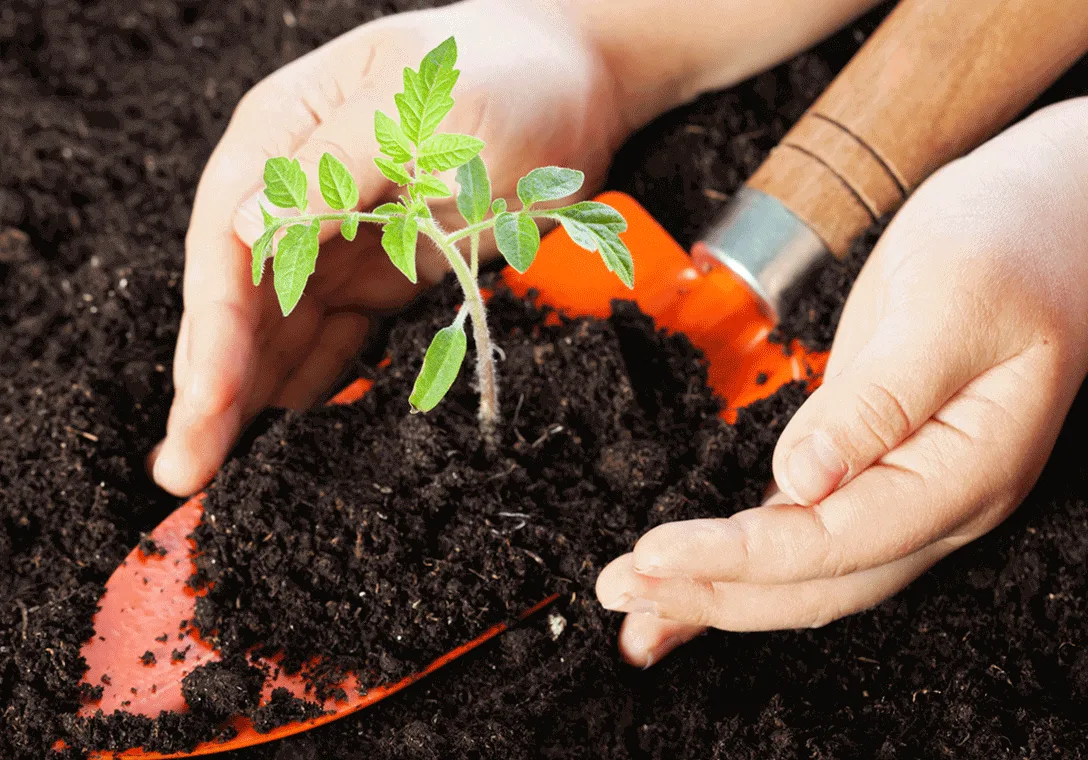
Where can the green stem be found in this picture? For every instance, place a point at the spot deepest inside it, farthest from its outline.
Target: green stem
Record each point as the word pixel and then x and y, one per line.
pixel 472 229
pixel 334 217
pixel 486 224
pixel 485 353
pixel 462 313
pixel 474 247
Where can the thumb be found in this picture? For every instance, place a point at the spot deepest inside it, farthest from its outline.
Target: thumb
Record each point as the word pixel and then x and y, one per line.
pixel 907 360
pixel 347 134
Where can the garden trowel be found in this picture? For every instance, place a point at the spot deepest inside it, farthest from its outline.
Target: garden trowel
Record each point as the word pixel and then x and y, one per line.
pixel 936 79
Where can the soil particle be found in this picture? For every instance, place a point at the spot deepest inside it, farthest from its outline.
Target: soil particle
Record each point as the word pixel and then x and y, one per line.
pixel 222 690
pixel 150 548
pixel 283 708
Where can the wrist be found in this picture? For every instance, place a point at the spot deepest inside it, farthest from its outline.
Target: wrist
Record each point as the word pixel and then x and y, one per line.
pixel 661 54
pixel 647 75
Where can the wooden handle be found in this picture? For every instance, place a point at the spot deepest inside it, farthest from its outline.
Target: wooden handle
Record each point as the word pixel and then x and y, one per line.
pixel 936 79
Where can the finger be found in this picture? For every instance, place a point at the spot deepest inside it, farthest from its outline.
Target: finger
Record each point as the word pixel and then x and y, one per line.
pixel 906 343
pixel 282 354
pixel 205 415
pixel 358 276
pixel 689 604
pixel 646 639
pixel 224 314
pixel 341 336
pixel 934 483
pixel 348 134
pixel 906 371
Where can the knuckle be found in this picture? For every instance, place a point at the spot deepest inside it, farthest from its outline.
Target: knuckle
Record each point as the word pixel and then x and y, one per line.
pixel 704 612
pixel 882 415
pixel 831 562
pixel 743 547
pixel 704 618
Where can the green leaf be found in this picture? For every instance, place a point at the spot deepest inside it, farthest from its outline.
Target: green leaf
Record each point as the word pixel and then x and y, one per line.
pixel 549 183
pixel 596 227
pixel 474 195
pixel 518 239
pixel 261 251
pixel 392 171
pixel 285 183
pixel 337 186
pixel 399 241
pixel 426 98
pixel 350 228
pixel 421 209
pixel 295 259
pixel 440 367
pixel 594 213
pixel 431 186
pixel 441 58
pixel 446 151
pixel 389 209
pixel 498 206
pixel 391 138
pixel 269 220
pixel 617 258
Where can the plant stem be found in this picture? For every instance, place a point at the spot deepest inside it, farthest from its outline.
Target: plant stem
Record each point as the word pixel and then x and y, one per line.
pixel 486 224
pixel 339 216
pixel 485 353
pixel 472 229
pixel 474 257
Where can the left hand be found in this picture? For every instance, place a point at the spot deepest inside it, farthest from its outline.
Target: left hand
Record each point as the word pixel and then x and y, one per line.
pixel 959 353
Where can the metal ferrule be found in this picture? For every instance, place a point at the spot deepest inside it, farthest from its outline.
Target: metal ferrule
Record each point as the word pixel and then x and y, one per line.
pixel 766 245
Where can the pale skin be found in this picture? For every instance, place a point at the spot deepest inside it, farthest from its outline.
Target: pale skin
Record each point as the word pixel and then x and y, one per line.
pixel 922 437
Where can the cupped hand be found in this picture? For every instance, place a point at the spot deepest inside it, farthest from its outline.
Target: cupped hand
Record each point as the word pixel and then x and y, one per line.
pixel 959 352
pixel 535 91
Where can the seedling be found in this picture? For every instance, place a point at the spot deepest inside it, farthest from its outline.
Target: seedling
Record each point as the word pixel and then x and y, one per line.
pixel 414 153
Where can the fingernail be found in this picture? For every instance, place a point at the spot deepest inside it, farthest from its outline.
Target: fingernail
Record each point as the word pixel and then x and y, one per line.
pixel 650 567
pixel 632 604
pixel 813 470
pixel 163 469
pixel 662 650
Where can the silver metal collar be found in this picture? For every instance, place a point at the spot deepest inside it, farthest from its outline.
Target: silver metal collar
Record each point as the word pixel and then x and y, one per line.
pixel 766 245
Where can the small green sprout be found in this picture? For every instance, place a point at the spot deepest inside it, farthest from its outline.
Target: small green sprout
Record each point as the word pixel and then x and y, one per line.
pixel 414 153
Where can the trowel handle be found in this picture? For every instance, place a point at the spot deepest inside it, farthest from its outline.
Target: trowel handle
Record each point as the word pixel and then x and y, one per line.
pixel 935 80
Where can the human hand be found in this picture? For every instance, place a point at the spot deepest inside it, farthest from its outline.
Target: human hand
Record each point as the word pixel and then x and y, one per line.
pixel 960 350
pixel 531 87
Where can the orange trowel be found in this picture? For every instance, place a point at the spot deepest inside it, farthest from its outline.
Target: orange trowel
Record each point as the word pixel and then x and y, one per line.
pixel 935 80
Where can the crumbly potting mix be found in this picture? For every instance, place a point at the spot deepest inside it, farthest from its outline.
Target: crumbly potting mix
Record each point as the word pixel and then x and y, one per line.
pixel 107 114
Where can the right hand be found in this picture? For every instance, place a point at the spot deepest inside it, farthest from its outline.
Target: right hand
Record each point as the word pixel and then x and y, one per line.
pixel 959 353
pixel 531 87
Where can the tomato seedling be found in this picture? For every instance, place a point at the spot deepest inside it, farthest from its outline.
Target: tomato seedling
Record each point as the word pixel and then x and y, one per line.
pixel 414 153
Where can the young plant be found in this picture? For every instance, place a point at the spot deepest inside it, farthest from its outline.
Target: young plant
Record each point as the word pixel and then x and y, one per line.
pixel 413 155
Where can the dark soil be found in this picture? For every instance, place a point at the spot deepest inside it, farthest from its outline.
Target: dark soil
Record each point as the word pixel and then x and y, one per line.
pixel 107 113
pixel 380 540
